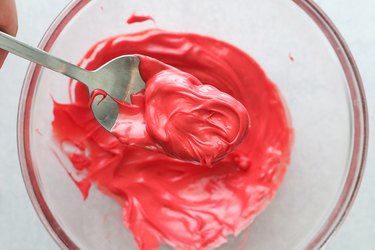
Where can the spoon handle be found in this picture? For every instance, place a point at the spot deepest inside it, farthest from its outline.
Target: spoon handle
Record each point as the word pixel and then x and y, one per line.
pixel 41 57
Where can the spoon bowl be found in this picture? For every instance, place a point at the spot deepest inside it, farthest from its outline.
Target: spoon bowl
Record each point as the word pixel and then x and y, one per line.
pixel 119 78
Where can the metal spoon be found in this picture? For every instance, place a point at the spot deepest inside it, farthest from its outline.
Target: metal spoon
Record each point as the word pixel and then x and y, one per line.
pixel 119 78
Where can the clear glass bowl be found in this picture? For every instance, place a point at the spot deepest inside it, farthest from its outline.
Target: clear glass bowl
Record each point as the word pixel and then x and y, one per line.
pixel 300 50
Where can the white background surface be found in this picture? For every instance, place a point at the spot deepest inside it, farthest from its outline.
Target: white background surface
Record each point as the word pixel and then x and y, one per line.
pixel 20 227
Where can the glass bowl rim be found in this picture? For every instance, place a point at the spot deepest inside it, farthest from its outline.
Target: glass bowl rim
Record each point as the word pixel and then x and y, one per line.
pixel 359 106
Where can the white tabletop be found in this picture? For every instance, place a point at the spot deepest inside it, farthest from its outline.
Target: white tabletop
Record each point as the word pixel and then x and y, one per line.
pixel 20 227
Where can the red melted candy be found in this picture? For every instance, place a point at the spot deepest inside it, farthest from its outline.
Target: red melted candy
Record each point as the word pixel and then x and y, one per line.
pixel 138 19
pixel 178 115
pixel 166 200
